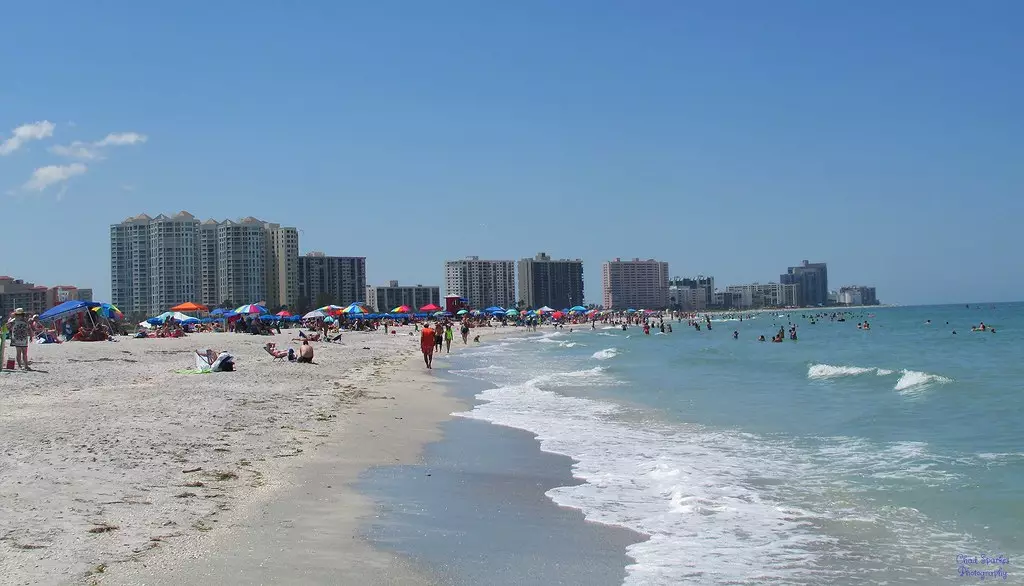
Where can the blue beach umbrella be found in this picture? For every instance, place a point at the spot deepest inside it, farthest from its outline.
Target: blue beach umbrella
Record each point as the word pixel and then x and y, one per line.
pixel 218 311
pixel 578 308
pixel 155 321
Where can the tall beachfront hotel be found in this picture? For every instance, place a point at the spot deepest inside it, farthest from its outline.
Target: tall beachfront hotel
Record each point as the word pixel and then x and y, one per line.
pixel 636 284
pixel 544 281
pixel 485 283
pixel 156 263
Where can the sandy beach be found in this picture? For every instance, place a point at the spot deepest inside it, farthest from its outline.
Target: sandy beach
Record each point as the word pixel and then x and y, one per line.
pixel 118 467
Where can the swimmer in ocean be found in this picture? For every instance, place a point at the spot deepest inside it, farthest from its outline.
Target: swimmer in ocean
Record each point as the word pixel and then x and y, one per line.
pixel 735 335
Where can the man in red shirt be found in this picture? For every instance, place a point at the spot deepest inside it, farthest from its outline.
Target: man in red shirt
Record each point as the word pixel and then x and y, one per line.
pixel 427 345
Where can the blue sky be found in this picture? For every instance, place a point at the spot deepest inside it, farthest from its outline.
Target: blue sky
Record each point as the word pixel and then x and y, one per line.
pixel 728 138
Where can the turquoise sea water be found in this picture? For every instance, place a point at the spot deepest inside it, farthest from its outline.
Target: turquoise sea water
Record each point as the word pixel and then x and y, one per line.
pixel 887 456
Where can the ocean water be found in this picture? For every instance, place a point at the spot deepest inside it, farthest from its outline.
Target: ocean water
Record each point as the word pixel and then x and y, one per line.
pixel 893 455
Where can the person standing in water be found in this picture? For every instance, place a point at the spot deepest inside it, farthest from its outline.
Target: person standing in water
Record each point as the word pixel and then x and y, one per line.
pixel 465 332
pixel 427 345
pixel 448 335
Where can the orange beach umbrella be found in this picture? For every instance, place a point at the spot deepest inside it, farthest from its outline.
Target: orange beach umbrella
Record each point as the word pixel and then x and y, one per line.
pixel 190 306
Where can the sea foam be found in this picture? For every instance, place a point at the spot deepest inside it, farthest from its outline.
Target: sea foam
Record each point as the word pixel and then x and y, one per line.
pixel 606 354
pixel 912 381
pixel 719 506
pixel 823 371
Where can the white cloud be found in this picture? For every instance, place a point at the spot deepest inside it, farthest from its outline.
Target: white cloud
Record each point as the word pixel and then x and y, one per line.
pixel 91 151
pixel 122 138
pixel 25 133
pixel 77 150
pixel 44 177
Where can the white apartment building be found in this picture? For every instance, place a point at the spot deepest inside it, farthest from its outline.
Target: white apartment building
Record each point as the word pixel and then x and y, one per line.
pixel 765 295
pixel 485 283
pixel 636 284
pixel 159 262
pixel 153 262
pixel 384 298
pixel 242 261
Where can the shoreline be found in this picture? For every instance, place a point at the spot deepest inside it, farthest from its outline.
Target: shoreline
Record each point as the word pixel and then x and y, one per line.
pixel 99 437
pixel 309 530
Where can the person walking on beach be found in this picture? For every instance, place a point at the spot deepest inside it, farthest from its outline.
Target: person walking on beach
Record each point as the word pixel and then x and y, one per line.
pixel 439 337
pixel 21 331
pixel 427 345
pixel 448 335
pixel 465 332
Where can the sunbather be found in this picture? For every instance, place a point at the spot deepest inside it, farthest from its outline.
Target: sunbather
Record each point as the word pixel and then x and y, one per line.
pixel 271 349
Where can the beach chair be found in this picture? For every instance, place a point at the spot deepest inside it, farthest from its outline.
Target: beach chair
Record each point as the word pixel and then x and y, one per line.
pixel 273 351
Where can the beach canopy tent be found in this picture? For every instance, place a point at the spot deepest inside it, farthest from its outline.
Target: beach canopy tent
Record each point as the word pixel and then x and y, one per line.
pixel 578 308
pixel 269 318
pixel 545 309
pixel 190 306
pixel 429 307
pixel 67 308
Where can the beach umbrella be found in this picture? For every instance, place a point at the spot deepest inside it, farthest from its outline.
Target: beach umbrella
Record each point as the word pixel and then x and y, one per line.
pixel 402 309
pixel 578 308
pixel 512 312
pixel 328 320
pixel 284 313
pixel 429 307
pixel 229 314
pixel 155 321
pixel 462 312
pixel 315 314
pixel 108 311
pixel 354 309
pixel 495 309
pixel 207 320
pixel 218 311
pixel 190 320
pixel 630 310
pixel 557 315
pixel 251 309
pixel 268 318
pixel 189 306
pixel 545 309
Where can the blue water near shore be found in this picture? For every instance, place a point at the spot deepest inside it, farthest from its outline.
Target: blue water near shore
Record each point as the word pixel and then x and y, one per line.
pixel 847 457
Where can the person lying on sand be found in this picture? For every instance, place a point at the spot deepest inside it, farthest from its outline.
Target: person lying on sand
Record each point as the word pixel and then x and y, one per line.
pixel 303 337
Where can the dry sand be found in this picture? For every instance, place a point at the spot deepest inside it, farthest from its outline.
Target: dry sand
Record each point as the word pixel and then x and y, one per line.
pixel 116 468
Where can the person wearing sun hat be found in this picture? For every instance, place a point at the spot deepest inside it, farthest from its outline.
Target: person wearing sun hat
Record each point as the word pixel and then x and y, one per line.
pixel 21 333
